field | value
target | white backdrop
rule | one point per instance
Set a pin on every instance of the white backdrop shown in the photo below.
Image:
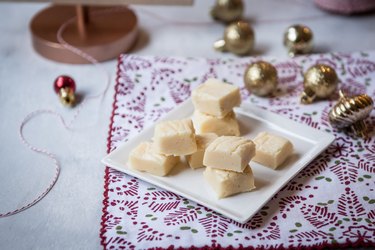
(69, 217)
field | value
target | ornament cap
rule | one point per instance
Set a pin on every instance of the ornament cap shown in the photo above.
(359, 128)
(342, 95)
(67, 97)
(220, 45)
(308, 96)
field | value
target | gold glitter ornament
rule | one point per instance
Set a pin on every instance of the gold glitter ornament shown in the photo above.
(349, 113)
(238, 39)
(320, 81)
(227, 10)
(298, 39)
(261, 78)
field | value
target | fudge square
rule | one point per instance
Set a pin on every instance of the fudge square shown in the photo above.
(195, 160)
(226, 183)
(175, 137)
(271, 150)
(230, 153)
(144, 158)
(227, 125)
(216, 98)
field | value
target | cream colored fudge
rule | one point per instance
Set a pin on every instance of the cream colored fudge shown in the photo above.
(175, 137)
(227, 125)
(229, 153)
(144, 158)
(195, 160)
(216, 98)
(226, 183)
(271, 150)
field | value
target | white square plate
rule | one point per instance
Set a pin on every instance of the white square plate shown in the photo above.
(308, 144)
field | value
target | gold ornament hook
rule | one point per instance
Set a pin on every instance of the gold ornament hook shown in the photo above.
(307, 96)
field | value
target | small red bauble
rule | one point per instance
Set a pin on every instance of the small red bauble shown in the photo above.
(64, 82)
(65, 87)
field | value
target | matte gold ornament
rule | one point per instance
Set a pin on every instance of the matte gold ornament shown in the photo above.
(320, 81)
(227, 10)
(349, 113)
(238, 39)
(298, 39)
(261, 78)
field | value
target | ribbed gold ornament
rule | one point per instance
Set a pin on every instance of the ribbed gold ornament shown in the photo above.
(260, 78)
(349, 113)
(227, 10)
(298, 39)
(238, 39)
(320, 81)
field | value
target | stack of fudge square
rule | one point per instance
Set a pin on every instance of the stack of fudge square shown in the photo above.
(210, 139)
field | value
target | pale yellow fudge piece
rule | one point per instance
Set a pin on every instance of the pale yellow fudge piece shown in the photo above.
(227, 125)
(216, 98)
(226, 183)
(175, 137)
(229, 153)
(271, 150)
(195, 160)
(144, 158)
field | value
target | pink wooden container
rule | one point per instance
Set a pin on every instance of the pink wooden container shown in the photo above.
(346, 6)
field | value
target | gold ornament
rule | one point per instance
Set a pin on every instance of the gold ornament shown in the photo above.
(298, 39)
(261, 78)
(320, 81)
(350, 112)
(67, 96)
(227, 10)
(238, 39)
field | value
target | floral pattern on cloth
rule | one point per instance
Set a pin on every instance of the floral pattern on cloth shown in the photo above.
(329, 203)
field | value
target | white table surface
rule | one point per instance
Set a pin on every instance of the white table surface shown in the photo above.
(69, 216)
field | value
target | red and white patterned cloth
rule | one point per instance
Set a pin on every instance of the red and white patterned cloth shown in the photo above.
(330, 203)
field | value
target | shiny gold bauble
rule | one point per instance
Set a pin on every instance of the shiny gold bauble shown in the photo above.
(320, 81)
(238, 39)
(350, 112)
(298, 39)
(261, 78)
(227, 10)
(67, 96)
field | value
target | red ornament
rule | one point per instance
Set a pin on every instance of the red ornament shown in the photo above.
(64, 82)
(65, 87)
